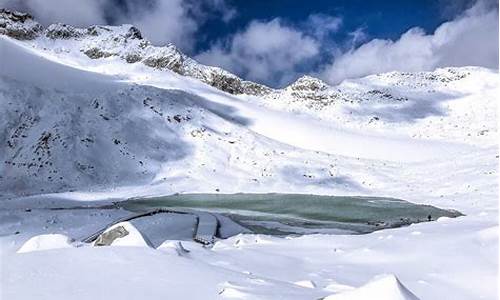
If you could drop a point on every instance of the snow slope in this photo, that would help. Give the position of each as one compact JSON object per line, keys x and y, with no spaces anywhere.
{"x":97,"y":128}
{"x":448,"y":259}
{"x":91,"y":113}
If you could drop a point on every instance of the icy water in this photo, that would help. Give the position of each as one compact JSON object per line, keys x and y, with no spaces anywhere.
{"x":300,"y":214}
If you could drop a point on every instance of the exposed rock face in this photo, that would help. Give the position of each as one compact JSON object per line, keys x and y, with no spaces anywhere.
{"x":230,"y":84}
{"x":312,"y":92}
{"x":133,"y":58}
{"x":18,"y":25}
{"x":167,"y":58}
{"x":252,"y":88}
{"x":310,"y":88}
{"x":96,"y":30}
{"x":127,"y":42}
{"x":63,"y":31}
{"x":316,"y":95}
{"x":108,"y":237}
{"x":134,"y":33}
{"x":96,"y":53}
{"x":308,"y":84}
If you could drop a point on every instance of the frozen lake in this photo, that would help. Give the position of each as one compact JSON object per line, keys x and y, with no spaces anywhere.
{"x":282,"y":214}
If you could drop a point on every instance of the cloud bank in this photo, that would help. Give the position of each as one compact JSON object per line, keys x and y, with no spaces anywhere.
{"x":161,"y":21}
{"x":275,"y":52}
{"x":76,"y":12}
{"x":271,"y":51}
{"x":469,"y":39}
{"x":264,"y":51}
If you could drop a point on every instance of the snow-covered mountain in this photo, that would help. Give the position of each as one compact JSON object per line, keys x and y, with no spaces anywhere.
{"x":100,"y":113}
{"x":125,"y":42}
{"x":101,"y":107}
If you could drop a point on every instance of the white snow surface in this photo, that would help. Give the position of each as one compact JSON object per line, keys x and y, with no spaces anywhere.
{"x":385,"y":287}
{"x":103,"y":129}
{"x":45,"y":242}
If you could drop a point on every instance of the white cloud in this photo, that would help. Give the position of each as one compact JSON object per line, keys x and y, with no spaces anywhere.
{"x":264,"y":51}
{"x":357,"y":37}
{"x":76,"y":12}
{"x":321,"y":25}
{"x":160,"y":21}
{"x":164,"y":21}
{"x":201,"y":9}
{"x":470,"y":39}
{"x":275,"y":52}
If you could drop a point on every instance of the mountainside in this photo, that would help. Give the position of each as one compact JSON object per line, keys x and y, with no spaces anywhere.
{"x":426,"y":105}
{"x":101,"y":114}
{"x":99,"y":108}
{"x":124,"y":42}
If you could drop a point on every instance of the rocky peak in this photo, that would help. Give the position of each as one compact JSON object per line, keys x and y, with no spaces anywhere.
{"x":15,"y":16}
{"x":18,"y":25}
{"x":134,"y":33}
{"x":308,"y":83}
{"x":127,"y":42}
{"x":166,"y":57}
{"x":63,"y":31}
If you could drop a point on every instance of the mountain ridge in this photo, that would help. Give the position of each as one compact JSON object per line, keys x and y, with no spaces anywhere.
{"x":72,"y":123}
{"x":126,"y":42}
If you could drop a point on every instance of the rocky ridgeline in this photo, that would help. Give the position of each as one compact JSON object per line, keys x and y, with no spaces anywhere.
{"x":417,"y":80}
{"x":18,"y":25}
{"x":127,"y":43}
{"x":390,"y":88}
{"x":309,"y":91}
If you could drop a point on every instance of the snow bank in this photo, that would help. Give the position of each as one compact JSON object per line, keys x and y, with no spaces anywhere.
{"x":386,"y":287}
{"x":306,"y":283}
{"x":45,"y":242}
{"x":175,"y":247}
{"x":121,"y":234}
{"x":21,"y":61}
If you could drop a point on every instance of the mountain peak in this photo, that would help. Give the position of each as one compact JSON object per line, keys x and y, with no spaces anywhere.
{"x":127,"y":43}
{"x":308,"y":83}
{"x":18,"y":25}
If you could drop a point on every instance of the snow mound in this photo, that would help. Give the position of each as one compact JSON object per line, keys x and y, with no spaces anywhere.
{"x":387,"y":287}
{"x":306,"y":283}
{"x":337,"y":287}
{"x":121,"y":234}
{"x":175,"y":247}
{"x":45,"y":242}
{"x":232,"y":291}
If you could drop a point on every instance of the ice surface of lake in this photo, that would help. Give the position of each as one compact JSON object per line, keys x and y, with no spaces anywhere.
{"x":299,"y":214}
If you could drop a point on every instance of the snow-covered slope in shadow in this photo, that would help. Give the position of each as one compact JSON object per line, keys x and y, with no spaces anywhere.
{"x":77,"y":121}
{"x":67,"y":128}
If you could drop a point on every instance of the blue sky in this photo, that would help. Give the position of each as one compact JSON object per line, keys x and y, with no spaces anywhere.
{"x":274,"y":42}
{"x":381,"y":19}
{"x":357,"y":22}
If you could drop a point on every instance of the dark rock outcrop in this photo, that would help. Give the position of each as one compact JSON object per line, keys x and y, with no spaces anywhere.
{"x":96,"y":53}
{"x":63,"y":31}
{"x":18,"y":25}
{"x":127,"y":42}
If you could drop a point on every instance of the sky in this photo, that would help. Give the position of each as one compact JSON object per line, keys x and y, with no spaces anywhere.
{"x":275,"y":42}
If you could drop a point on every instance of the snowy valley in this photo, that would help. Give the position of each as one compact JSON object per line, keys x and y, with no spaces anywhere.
{"x":100,"y":114}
